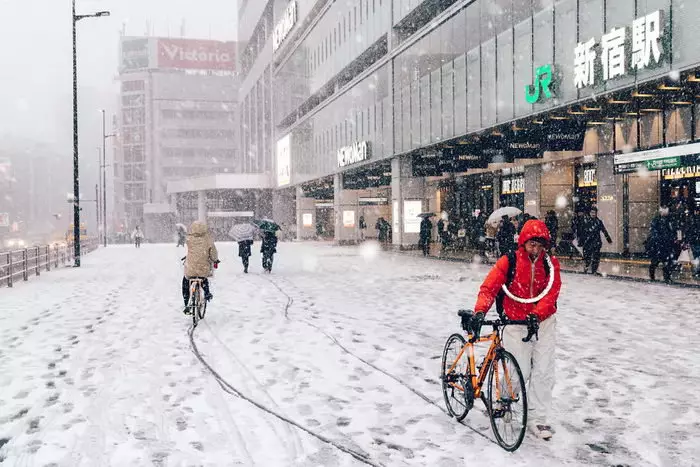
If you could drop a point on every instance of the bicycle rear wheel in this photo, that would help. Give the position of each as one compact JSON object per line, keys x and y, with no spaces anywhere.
{"x":507,"y":401}
{"x":196,"y":298}
{"x":456,"y":385}
{"x":202,"y":309}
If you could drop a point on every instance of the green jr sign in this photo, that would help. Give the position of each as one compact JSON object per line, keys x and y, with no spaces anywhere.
{"x":542,"y":88}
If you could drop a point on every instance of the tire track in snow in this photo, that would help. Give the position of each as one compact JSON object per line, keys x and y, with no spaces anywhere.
{"x":336,"y":342}
{"x":230,"y":389}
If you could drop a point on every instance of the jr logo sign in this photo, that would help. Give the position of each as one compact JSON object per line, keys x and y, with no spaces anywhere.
{"x":544,"y":78}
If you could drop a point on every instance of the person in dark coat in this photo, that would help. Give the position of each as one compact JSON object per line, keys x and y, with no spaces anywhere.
{"x":382,"y":227}
{"x":268,"y":249}
{"x":479,"y":232}
{"x":692,"y":236}
{"x":426,"y":231}
{"x":660,"y":243}
{"x":552,"y":224}
{"x":244,"y":251}
{"x":181,"y":236}
{"x":443,"y":230}
{"x":577,"y":227}
{"x":506,"y":236}
{"x":363,"y":227}
{"x":592,"y":243}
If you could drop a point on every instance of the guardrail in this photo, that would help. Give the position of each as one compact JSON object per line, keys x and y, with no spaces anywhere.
{"x":19,"y":265}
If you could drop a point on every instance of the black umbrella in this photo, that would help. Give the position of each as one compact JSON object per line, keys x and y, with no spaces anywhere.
{"x":267,"y":225}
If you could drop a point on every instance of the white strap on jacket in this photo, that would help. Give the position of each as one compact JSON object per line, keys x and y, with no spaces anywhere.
{"x":540,"y":296}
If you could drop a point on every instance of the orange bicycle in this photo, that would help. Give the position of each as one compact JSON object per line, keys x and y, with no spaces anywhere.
{"x":504,"y":396}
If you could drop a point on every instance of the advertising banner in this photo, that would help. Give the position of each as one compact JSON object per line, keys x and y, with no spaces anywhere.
{"x":565,"y":135}
{"x":349,"y":219}
{"x":526,"y":145}
{"x":411,"y":221}
{"x":283,"y":162}
{"x":495,"y":149}
{"x":307,"y":219}
{"x":193,"y":54}
{"x":463,"y":157}
{"x":427,"y":165}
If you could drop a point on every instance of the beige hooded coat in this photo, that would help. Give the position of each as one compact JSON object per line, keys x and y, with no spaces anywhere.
{"x":201,"y":251}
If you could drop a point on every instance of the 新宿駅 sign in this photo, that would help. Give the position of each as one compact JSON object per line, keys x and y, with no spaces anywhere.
{"x":284,"y":25}
{"x":357,"y":152}
{"x":645,"y":42}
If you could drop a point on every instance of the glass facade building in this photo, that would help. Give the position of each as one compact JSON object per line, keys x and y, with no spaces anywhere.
{"x":411,"y":77}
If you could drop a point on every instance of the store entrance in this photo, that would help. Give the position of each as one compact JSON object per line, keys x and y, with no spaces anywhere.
{"x":325,"y":222}
{"x":682,"y":198}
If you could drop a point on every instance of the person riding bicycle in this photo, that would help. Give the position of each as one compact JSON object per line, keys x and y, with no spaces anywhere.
{"x":529,"y":277}
{"x":201,"y":254}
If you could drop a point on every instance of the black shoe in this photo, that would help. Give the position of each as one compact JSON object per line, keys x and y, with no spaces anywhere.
{"x":208,"y":297}
{"x":187,"y":310}
{"x":245,"y":270}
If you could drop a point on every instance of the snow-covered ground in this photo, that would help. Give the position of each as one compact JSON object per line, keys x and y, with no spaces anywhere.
{"x":340,"y":349}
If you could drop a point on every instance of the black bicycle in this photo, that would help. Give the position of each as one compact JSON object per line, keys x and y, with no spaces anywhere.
{"x":197,"y":305}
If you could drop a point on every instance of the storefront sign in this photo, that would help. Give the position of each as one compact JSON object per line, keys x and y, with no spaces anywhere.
{"x":607,"y":198}
{"x":587,"y":176}
{"x":510,"y":186}
{"x":283,"y":161}
{"x":308,"y":219}
{"x":665,"y":163}
{"x":625,"y":163}
{"x":691,"y":171}
{"x":372,"y":201}
{"x":495,"y":150}
{"x":645,"y":44}
{"x":565,"y":135}
{"x":463,"y":157}
{"x":357,"y":152}
{"x":542,"y":88}
{"x":526,"y":145}
{"x":196,"y":54}
{"x":285,"y":25}
{"x":411,"y":221}
{"x":349,"y":219}
{"x":427,"y":165}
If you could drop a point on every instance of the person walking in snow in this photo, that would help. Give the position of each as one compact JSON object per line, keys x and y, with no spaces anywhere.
{"x":530,"y":269}
{"x":181,"y":236}
{"x":268,"y":249}
{"x":660,"y":243}
{"x":244,"y":251}
{"x":593,"y":227}
{"x":552,"y":224}
{"x":138,"y":236}
{"x":426,"y":232}
{"x":201,"y":255}
{"x":506,"y":236}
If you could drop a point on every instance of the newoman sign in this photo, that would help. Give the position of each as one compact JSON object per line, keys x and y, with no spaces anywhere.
{"x":284,"y":25}
{"x":357,"y":152}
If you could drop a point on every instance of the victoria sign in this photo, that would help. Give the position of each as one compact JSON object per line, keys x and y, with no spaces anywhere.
{"x":196,"y":54}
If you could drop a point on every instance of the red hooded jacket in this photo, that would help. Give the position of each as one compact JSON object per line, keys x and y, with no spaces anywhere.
{"x":529,"y":280}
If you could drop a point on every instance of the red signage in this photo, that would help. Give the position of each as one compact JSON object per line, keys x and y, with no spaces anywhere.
{"x":196,"y":54}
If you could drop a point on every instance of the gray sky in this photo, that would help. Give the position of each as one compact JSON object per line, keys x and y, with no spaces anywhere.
{"x":36,"y":77}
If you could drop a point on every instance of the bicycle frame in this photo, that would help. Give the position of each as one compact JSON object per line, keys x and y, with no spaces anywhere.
{"x":478,"y":380}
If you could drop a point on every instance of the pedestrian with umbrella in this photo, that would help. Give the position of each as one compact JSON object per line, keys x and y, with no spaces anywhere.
{"x":244,"y":235}
{"x":268,"y":249}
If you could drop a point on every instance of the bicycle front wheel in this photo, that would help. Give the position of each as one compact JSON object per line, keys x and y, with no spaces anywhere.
{"x":507,"y":401}
{"x":456,"y":386}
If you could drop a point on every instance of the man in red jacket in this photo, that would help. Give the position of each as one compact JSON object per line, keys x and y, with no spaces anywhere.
{"x":530,"y":278}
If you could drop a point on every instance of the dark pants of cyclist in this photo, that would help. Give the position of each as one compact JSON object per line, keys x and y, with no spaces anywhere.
{"x":186,"y":288}
{"x":667,"y":266}
{"x":267,"y":261}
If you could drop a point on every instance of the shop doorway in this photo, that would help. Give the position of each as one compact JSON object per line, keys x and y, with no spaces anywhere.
{"x":325,"y":222}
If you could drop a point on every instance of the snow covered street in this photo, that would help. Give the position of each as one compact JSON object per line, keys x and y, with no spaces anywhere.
{"x":332,"y":360}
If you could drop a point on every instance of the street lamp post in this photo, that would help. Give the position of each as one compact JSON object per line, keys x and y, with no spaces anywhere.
{"x":76,"y":181}
{"x":104,"y":177}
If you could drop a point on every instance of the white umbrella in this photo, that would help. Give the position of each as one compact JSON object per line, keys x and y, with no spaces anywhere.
{"x":242,"y":232}
{"x":181,"y":226}
{"x":509,"y":211}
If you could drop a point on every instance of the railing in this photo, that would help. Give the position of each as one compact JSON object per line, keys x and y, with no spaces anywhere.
{"x":19,"y":265}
